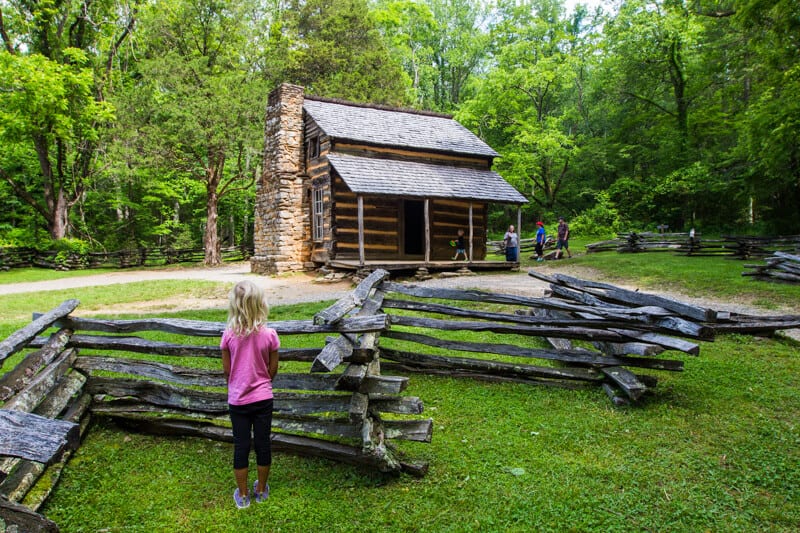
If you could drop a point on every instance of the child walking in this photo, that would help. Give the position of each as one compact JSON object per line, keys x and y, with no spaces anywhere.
{"x":460,"y":246}
{"x":250,"y":362}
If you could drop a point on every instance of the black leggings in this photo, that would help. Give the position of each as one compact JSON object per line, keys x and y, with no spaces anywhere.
{"x":258,"y":417}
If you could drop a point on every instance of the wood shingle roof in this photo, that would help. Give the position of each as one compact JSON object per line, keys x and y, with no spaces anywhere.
{"x":395,"y":128}
{"x":367,"y":175}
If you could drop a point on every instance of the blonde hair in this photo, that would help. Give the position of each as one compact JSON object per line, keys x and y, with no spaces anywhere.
{"x":247,"y":308}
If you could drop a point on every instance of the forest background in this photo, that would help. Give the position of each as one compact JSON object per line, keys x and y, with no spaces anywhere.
{"x":128,"y":123}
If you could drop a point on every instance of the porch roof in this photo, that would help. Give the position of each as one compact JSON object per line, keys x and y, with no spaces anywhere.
{"x":385,"y":177}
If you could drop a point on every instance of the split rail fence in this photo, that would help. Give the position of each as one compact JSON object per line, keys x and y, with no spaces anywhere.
{"x":22,"y":257}
{"x":681,"y":243}
{"x":778,"y":267}
{"x":335,"y":408}
{"x":340,"y":406}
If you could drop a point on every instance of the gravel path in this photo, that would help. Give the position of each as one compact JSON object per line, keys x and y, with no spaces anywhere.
{"x":306,"y":287}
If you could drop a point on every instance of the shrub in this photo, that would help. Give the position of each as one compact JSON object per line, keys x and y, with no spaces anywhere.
{"x":602,"y":220}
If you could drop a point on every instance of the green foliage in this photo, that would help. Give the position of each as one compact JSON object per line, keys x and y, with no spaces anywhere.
{"x":132,"y":123}
{"x":52,"y":108}
{"x":343,"y":54}
{"x":601,"y":220}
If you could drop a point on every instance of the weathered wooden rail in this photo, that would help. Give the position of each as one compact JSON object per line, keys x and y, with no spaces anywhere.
{"x":778,"y":267}
{"x":738,"y":247}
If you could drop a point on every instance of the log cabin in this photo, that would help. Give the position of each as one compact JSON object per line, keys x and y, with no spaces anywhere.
{"x":355,"y":186}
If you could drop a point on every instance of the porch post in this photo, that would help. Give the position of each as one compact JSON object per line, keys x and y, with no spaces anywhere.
{"x":471,"y":258}
{"x":427,"y":230}
{"x":361,"y":230}
{"x":519,"y":232}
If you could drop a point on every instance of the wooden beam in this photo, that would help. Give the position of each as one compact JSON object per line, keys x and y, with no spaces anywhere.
{"x":471,"y":234}
{"x":455,"y":364}
{"x":14,"y":342}
{"x":572,"y":356}
{"x":626,"y":380}
{"x":427,"y":230}
{"x":35,"y":437}
{"x":361,"y":256}
{"x":16,"y":517}
{"x":338,"y":310}
{"x":199,"y":328}
{"x":180,"y":375}
{"x":32,"y":395}
{"x":18,"y":377}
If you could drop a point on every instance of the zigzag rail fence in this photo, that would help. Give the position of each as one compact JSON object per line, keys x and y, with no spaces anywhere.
{"x":580,"y":334}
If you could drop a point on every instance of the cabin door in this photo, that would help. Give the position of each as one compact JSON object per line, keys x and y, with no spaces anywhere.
{"x":413,"y":227}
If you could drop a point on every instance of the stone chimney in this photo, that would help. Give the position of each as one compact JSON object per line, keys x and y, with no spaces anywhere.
{"x":282,"y":223}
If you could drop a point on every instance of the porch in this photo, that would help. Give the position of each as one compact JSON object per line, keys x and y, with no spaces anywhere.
{"x":397,"y":264}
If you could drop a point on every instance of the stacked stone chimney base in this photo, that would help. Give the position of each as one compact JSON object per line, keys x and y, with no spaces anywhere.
{"x":282,"y":233}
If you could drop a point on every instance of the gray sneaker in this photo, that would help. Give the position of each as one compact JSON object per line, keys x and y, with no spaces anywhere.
{"x":241,"y":502}
{"x":261,"y":497}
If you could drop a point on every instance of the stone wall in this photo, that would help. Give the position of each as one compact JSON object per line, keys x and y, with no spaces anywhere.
{"x":282,"y":233}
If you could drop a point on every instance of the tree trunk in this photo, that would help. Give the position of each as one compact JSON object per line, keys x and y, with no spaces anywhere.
{"x":60,"y":223}
{"x":211,"y":235}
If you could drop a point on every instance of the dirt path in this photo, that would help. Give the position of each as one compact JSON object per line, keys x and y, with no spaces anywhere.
{"x":306,"y":287}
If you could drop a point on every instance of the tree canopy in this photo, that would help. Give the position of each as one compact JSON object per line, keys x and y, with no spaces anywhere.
{"x":138,"y":123}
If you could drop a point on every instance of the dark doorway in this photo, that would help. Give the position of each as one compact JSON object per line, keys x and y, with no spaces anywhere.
{"x":413,"y":227}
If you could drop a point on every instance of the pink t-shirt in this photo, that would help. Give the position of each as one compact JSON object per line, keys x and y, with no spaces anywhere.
{"x":249,"y":380}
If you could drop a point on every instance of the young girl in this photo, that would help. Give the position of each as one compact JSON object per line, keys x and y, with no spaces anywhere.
{"x":250,"y":362}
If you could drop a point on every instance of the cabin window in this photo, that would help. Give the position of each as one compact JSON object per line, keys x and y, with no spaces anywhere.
{"x":317,"y":206}
{"x":312,"y":147}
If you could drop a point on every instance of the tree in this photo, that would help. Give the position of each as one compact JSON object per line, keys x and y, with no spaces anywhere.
{"x":333,"y":48}
{"x":206,"y":98}
{"x":529,"y":105}
{"x":768,"y":151}
{"x":55,"y":67}
{"x":406,"y":27}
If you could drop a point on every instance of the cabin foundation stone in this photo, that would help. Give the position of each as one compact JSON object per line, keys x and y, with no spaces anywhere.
{"x":282,"y":223}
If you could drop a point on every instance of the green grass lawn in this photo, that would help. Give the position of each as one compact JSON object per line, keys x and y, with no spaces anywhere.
{"x":715,"y":448}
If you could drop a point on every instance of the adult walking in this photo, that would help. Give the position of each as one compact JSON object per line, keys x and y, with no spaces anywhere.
{"x":563,"y":238}
{"x":511,"y":240}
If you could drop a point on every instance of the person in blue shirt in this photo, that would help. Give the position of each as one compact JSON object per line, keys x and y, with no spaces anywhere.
{"x":541,"y":237}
